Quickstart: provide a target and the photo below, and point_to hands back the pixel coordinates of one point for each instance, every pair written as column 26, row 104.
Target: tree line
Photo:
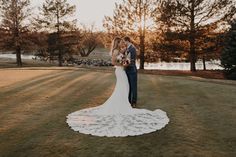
column 167, row 29
column 163, row 30
column 52, row 33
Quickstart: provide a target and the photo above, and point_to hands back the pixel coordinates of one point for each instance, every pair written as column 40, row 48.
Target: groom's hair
column 127, row 39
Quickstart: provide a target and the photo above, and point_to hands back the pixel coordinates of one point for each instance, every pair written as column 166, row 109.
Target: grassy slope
column 33, row 113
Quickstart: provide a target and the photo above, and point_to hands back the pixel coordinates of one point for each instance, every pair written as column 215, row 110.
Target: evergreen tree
column 228, row 58
column 55, row 16
column 191, row 16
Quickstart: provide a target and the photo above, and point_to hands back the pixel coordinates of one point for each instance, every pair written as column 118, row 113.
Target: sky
column 88, row 11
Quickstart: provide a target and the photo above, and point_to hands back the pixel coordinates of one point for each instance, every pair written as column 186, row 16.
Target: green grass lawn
column 33, row 114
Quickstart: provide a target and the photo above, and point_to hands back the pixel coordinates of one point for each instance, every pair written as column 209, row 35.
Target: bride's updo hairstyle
column 115, row 44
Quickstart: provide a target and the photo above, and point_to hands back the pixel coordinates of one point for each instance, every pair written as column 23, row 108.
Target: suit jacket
column 131, row 52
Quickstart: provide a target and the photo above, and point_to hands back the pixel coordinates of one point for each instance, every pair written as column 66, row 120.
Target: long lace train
column 116, row 117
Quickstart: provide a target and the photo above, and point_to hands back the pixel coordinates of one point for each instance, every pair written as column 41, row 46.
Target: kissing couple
column 123, row 54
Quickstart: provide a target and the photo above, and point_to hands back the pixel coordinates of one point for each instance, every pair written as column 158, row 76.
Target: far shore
column 40, row 65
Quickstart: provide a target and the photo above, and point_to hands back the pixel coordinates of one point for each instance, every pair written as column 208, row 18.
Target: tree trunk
column 17, row 38
column 204, row 63
column 142, row 51
column 192, row 54
column 60, row 58
column 192, row 38
column 18, row 56
column 59, row 44
column 18, row 49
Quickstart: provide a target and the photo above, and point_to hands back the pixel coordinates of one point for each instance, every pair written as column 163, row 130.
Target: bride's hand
column 125, row 64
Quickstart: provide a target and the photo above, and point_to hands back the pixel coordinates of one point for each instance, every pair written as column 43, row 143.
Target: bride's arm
column 113, row 60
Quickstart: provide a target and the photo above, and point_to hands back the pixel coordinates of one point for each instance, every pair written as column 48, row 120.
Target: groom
column 131, row 71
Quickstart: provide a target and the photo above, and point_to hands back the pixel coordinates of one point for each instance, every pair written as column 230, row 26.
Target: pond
column 210, row 65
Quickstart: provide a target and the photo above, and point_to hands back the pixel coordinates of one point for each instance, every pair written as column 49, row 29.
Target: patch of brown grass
column 8, row 77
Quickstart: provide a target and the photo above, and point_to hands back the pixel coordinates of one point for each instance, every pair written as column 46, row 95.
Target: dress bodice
column 119, row 67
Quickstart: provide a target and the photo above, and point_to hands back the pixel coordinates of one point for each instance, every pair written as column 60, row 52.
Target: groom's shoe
column 133, row 105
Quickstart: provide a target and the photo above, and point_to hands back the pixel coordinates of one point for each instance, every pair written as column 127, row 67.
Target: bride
column 116, row 117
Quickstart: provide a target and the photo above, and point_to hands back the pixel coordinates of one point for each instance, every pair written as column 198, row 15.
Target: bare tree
column 14, row 14
column 89, row 40
column 191, row 16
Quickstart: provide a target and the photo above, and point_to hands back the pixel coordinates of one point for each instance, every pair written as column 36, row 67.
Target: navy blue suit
column 131, row 72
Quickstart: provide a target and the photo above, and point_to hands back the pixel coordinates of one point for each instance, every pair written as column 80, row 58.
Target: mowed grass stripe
column 19, row 86
column 57, row 111
column 41, row 92
column 41, row 98
column 25, row 91
column 27, row 98
column 41, row 103
column 37, row 106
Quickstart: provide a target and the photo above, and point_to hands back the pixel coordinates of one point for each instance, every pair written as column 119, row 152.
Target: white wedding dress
column 116, row 117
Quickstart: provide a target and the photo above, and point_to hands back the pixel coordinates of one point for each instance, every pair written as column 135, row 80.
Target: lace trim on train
column 143, row 121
